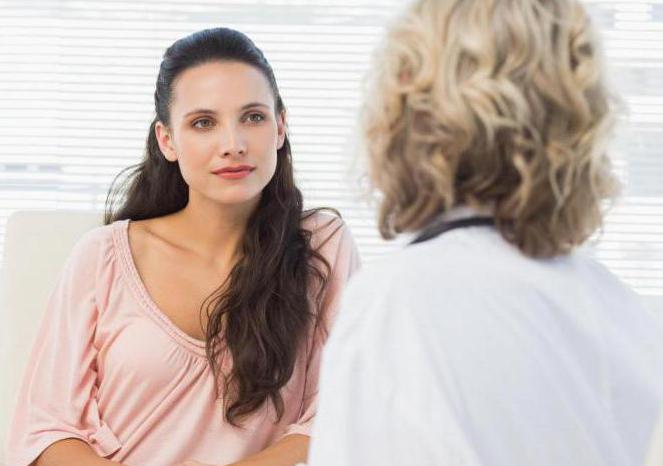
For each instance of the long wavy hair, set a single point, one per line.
(260, 317)
(497, 103)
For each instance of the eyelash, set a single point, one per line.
(195, 123)
(246, 118)
(262, 117)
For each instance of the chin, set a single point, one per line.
(240, 194)
(237, 198)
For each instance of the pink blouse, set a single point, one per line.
(109, 368)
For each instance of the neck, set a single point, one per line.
(211, 230)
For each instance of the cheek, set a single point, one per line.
(194, 158)
(270, 160)
(190, 168)
(268, 140)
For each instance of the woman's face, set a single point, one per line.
(223, 117)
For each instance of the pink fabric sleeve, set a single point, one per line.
(56, 400)
(343, 257)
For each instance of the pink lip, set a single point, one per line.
(234, 173)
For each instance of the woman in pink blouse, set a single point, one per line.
(189, 327)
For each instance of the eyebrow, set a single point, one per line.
(213, 112)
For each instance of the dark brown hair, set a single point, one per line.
(261, 315)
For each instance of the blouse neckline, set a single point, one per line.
(121, 234)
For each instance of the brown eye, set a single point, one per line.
(202, 123)
(256, 117)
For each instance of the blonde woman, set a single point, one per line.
(491, 340)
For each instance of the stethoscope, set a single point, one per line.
(440, 226)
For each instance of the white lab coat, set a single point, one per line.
(462, 351)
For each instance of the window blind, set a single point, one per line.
(631, 244)
(77, 79)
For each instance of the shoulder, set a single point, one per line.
(449, 291)
(332, 243)
(329, 233)
(96, 240)
(464, 272)
(442, 262)
(321, 223)
(470, 276)
(91, 252)
(446, 292)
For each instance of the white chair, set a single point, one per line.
(36, 246)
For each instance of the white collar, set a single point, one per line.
(464, 211)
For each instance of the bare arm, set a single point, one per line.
(71, 452)
(290, 450)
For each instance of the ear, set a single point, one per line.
(281, 127)
(165, 141)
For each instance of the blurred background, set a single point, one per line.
(76, 99)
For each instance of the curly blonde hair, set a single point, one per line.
(496, 103)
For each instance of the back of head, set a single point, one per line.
(495, 103)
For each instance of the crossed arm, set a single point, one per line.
(290, 450)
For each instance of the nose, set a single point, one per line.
(232, 143)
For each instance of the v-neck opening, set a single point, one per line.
(148, 304)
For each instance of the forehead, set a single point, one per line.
(223, 86)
